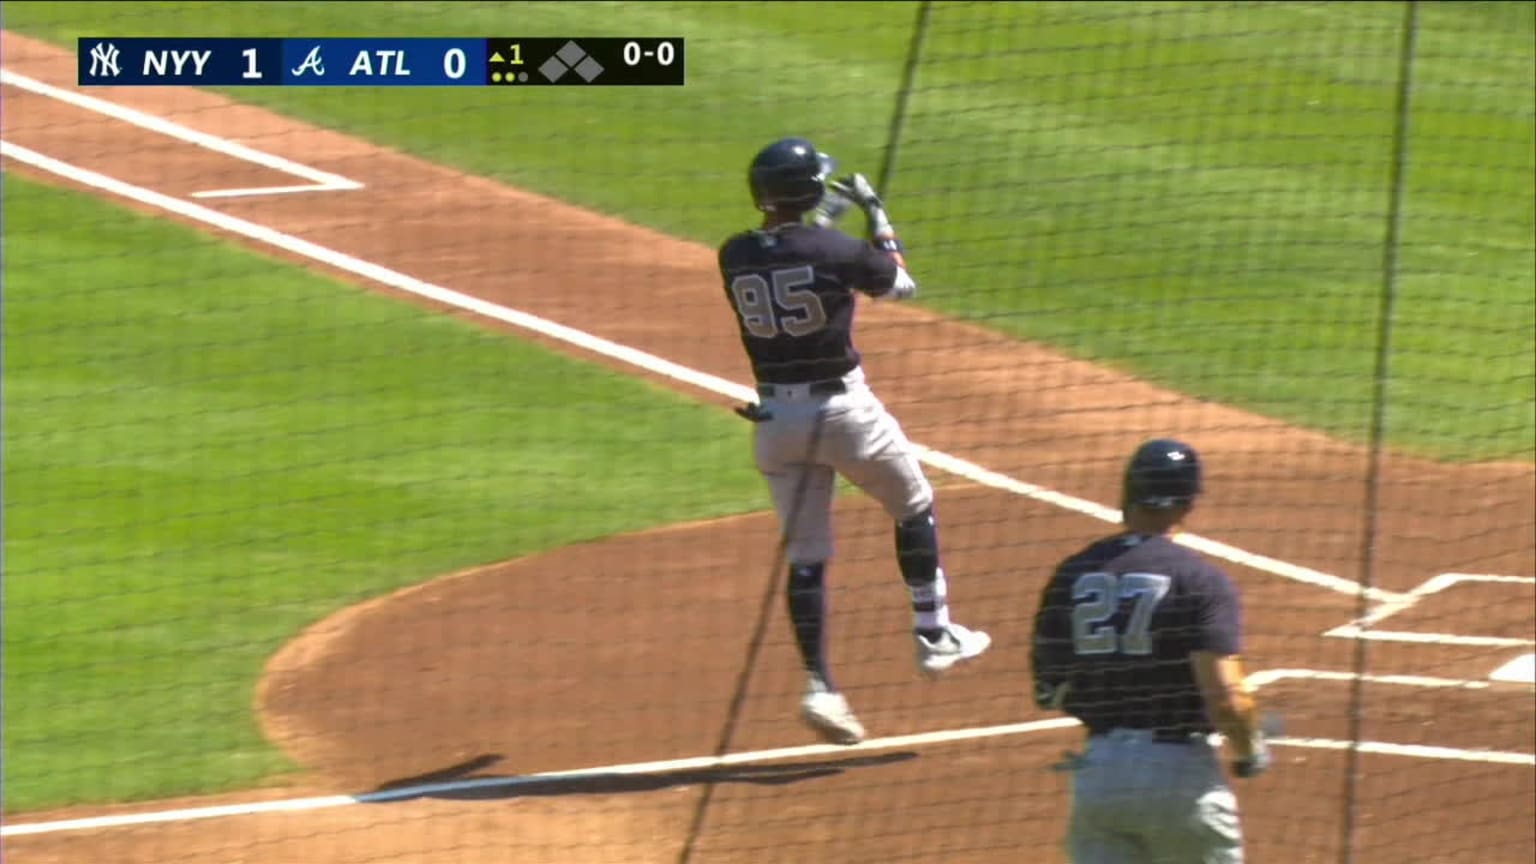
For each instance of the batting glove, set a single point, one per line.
(857, 189)
(905, 287)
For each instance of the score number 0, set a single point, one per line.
(633, 53)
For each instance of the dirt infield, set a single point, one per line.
(495, 673)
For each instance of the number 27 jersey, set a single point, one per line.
(1119, 621)
(792, 290)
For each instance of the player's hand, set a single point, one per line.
(858, 189)
(753, 412)
(831, 208)
(1252, 766)
(1051, 695)
(905, 287)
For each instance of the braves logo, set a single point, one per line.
(313, 62)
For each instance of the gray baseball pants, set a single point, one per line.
(1139, 801)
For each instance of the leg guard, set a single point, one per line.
(917, 551)
(917, 548)
(806, 597)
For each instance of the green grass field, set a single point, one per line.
(194, 475)
(207, 450)
(1193, 192)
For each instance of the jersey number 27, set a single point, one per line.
(1096, 598)
(784, 306)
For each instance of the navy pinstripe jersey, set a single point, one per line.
(1119, 621)
(792, 287)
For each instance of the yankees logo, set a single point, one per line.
(104, 60)
(312, 63)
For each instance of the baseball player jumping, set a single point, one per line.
(1139, 638)
(791, 283)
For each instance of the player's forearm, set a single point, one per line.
(1235, 713)
(881, 231)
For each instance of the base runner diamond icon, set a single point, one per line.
(589, 69)
(570, 53)
(552, 69)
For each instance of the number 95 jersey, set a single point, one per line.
(792, 288)
(1119, 620)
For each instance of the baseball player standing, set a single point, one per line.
(791, 283)
(1140, 639)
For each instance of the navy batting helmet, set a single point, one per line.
(1162, 473)
(789, 175)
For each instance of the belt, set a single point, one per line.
(1159, 736)
(829, 387)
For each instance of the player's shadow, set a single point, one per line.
(466, 782)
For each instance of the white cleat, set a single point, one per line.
(955, 644)
(830, 717)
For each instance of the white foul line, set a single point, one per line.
(320, 181)
(635, 768)
(666, 766)
(696, 763)
(188, 814)
(641, 359)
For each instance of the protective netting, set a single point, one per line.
(279, 359)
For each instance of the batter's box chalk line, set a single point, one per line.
(319, 181)
(1365, 628)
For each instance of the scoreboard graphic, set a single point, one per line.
(596, 61)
